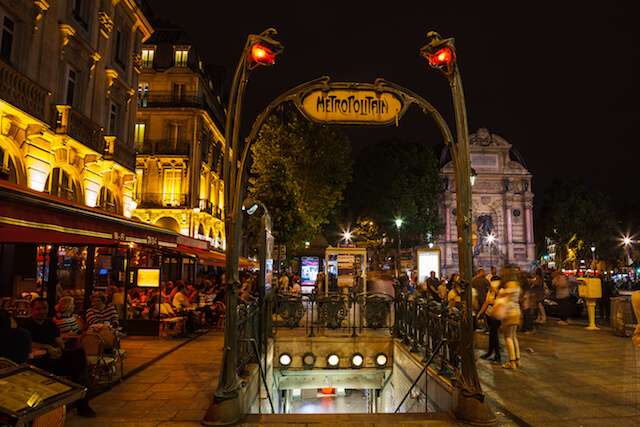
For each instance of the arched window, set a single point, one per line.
(108, 201)
(201, 230)
(8, 171)
(60, 183)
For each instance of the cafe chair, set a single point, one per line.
(101, 367)
(111, 348)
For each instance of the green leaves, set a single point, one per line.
(395, 178)
(299, 172)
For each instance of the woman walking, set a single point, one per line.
(492, 323)
(508, 306)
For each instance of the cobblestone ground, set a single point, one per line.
(174, 391)
(569, 377)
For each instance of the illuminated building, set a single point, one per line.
(179, 140)
(502, 206)
(68, 78)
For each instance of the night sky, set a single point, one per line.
(556, 80)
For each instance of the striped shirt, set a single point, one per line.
(67, 324)
(108, 314)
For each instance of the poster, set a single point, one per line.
(309, 270)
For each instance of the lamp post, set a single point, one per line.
(490, 239)
(470, 404)
(259, 50)
(398, 223)
(593, 257)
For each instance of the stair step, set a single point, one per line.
(435, 419)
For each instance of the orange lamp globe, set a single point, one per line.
(441, 58)
(261, 54)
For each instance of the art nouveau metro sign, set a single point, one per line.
(351, 106)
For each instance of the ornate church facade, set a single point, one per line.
(502, 206)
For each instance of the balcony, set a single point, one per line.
(121, 154)
(171, 100)
(162, 200)
(165, 147)
(22, 92)
(70, 122)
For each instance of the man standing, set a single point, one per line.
(68, 363)
(432, 285)
(481, 286)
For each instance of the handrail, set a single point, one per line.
(264, 380)
(426, 391)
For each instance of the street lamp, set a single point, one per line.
(398, 222)
(593, 257)
(260, 50)
(441, 55)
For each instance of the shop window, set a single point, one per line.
(6, 37)
(7, 167)
(172, 186)
(181, 57)
(59, 183)
(147, 57)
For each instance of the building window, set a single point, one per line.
(107, 201)
(7, 35)
(139, 177)
(172, 186)
(60, 183)
(120, 47)
(72, 77)
(147, 57)
(178, 91)
(139, 133)
(7, 167)
(114, 115)
(181, 57)
(143, 94)
(173, 133)
(80, 12)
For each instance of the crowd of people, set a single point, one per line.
(508, 302)
(55, 342)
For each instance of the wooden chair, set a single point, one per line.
(111, 347)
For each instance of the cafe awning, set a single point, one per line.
(28, 216)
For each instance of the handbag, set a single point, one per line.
(499, 310)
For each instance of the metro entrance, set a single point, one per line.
(342, 103)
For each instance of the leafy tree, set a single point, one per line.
(299, 171)
(576, 217)
(395, 178)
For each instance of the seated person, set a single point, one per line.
(68, 323)
(16, 342)
(101, 313)
(180, 300)
(70, 363)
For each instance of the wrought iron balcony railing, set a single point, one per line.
(169, 99)
(123, 155)
(181, 147)
(22, 92)
(163, 200)
(68, 121)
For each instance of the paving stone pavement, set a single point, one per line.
(175, 391)
(569, 377)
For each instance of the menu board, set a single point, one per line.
(27, 389)
(345, 270)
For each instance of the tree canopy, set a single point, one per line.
(299, 171)
(576, 217)
(398, 179)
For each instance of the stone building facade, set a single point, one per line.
(68, 78)
(179, 140)
(502, 206)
